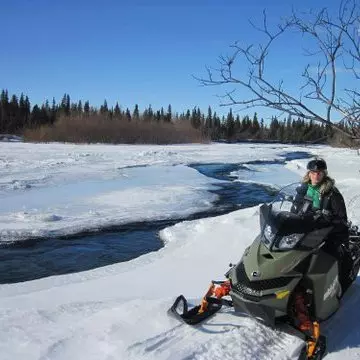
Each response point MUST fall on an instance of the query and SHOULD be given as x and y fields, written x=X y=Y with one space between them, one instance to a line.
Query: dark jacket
x=332 y=212
x=332 y=207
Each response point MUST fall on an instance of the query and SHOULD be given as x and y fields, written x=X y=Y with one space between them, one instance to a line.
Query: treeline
x=60 y=121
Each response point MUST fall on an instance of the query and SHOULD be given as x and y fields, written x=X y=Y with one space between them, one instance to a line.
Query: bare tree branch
x=337 y=43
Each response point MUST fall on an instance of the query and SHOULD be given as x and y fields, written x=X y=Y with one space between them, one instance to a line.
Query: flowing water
x=34 y=259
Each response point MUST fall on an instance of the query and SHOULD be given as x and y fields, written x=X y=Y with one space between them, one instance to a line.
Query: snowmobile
x=284 y=278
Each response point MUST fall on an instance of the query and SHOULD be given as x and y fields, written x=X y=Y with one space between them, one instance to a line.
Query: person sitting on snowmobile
x=318 y=198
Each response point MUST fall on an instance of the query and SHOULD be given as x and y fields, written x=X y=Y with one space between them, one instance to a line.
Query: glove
x=301 y=189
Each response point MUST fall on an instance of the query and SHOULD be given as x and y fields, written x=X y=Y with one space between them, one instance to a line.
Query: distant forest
x=81 y=122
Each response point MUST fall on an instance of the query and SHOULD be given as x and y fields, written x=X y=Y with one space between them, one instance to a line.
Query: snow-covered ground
x=55 y=189
x=119 y=311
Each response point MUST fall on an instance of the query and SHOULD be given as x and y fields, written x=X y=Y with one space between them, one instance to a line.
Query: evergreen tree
x=216 y=131
x=230 y=125
x=53 y=111
x=65 y=105
x=87 y=107
x=151 y=112
x=245 y=123
x=209 y=119
x=237 y=125
x=162 y=115
x=147 y=114
x=274 y=126
x=104 y=108
x=13 y=115
x=255 y=127
x=4 y=97
x=80 y=107
x=195 y=118
x=22 y=111
x=4 y=104
x=117 y=111
x=136 y=114
x=73 y=109
x=127 y=114
x=35 y=116
x=168 y=114
x=27 y=111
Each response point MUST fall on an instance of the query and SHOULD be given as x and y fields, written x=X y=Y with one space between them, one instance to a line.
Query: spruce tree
x=255 y=126
x=128 y=114
x=209 y=119
x=87 y=107
x=80 y=107
x=168 y=114
x=230 y=125
x=136 y=113
x=117 y=111
x=104 y=108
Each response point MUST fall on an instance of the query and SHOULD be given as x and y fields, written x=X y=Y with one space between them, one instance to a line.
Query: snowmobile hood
x=262 y=264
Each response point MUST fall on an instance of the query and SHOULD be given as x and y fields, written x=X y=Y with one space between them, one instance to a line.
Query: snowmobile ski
x=192 y=316
x=208 y=307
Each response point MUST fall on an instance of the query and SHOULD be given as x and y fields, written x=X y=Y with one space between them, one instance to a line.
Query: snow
x=134 y=194
x=274 y=175
x=119 y=311
x=55 y=189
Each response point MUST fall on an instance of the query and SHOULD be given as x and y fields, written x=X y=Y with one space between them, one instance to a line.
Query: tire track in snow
x=225 y=336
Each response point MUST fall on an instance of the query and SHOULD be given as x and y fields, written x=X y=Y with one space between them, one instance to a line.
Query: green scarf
x=313 y=192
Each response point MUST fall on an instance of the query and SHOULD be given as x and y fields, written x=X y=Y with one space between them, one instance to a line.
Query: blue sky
x=131 y=51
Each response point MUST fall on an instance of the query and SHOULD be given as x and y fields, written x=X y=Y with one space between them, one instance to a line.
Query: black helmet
x=317 y=165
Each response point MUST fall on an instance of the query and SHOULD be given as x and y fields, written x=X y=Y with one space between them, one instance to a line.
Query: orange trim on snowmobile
x=204 y=302
x=217 y=290
x=311 y=329
x=222 y=290
x=312 y=343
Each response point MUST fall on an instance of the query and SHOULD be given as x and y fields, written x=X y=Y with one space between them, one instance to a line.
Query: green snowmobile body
x=264 y=280
x=286 y=259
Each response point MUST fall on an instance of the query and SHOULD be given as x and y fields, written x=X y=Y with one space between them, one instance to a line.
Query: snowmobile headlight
x=268 y=237
x=289 y=241
x=268 y=233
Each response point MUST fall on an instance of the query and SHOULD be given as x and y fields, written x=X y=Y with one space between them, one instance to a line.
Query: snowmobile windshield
x=284 y=199
x=282 y=228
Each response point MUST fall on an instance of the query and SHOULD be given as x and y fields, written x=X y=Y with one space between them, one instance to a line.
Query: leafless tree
x=332 y=48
